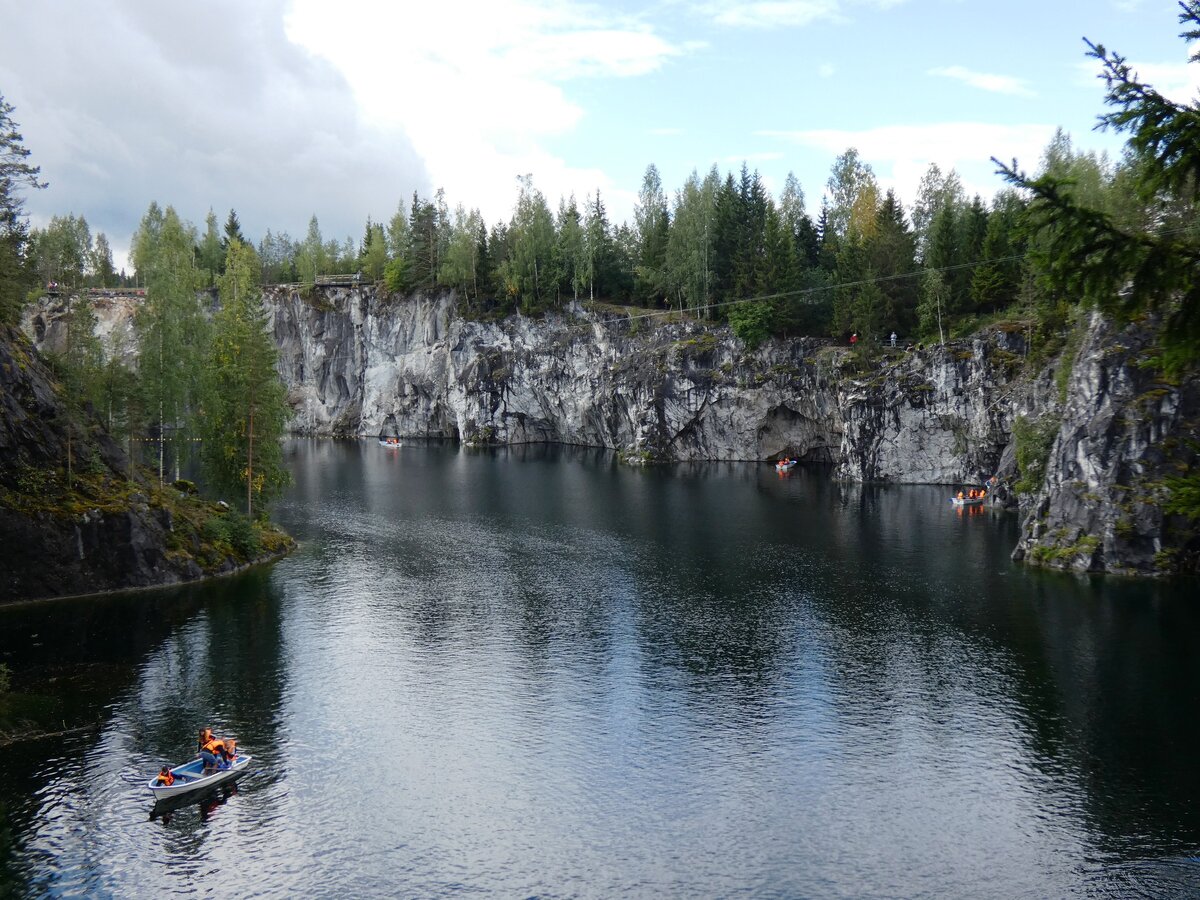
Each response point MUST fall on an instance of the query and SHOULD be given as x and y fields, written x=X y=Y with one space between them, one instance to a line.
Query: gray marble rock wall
x=360 y=363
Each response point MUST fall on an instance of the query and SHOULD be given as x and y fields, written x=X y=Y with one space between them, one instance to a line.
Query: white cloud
x=900 y=154
x=997 y=84
x=826 y=70
x=138 y=101
x=479 y=86
x=1177 y=81
x=764 y=156
x=774 y=13
x=785 y=13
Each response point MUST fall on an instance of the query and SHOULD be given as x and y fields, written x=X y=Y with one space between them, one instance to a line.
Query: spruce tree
x=1121 y=269
x=210 y=254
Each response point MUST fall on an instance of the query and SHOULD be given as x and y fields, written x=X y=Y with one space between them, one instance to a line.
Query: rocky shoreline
x=104 y=527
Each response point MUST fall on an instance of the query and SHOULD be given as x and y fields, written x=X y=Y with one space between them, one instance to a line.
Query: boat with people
x=389 y=442
x=970 y=497
x=784 y=464
x=191 y=776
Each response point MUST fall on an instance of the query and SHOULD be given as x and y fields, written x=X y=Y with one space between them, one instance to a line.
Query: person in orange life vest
x=960 y=496
x=165 y=777
x=210 y=747
x=228 y=755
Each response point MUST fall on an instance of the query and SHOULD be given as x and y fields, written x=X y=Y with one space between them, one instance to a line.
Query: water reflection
x=535 y=671
x=206 y=804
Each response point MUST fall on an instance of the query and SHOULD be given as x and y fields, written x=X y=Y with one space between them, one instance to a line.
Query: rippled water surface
x=537 y=673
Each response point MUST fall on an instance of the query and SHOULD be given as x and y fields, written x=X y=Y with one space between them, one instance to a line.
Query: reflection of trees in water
x=173 y=660
x=733 y=584
x=1096 y=673
x=1109 y=680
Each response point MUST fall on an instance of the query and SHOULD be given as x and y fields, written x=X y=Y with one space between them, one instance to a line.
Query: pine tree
x=16 y=173
x=726 y=239
x=233 y=232
x=421 y=260
x=995 y=280
x=891 y=255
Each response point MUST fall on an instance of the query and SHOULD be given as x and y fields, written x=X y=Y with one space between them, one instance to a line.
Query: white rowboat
x=190 y=777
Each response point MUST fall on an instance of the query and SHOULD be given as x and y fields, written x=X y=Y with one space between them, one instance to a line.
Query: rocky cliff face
x=1126 y=429
x=100 y=527
x=360 y=363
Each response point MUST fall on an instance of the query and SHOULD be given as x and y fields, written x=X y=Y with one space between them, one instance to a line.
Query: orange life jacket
x=167 y=779
x=214 y=745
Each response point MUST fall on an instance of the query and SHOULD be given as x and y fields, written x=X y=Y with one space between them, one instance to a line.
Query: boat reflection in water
x=206 y=801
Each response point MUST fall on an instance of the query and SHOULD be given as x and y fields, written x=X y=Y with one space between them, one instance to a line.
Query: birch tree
x=244 y=409
x=171 y=326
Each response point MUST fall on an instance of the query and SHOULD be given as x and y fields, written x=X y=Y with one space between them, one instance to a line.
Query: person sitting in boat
x=960 y=495
x=165 y=778
x=210 y=750
x=228 y=755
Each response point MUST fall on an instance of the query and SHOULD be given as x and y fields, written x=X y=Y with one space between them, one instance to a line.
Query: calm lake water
x=535 y=672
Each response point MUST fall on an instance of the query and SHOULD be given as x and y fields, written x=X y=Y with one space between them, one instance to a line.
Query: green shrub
x=751 y=322
x=243 y=535
x=236 y=530
x=1185 y=496
x=1034 y=440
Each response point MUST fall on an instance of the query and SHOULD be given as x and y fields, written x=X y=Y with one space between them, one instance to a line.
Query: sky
x=284 y=109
